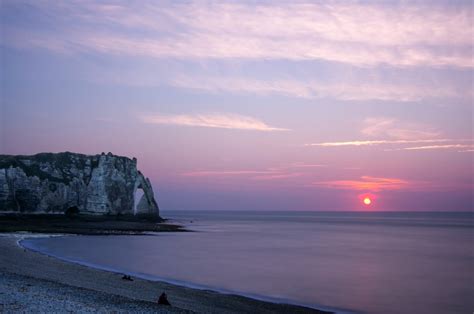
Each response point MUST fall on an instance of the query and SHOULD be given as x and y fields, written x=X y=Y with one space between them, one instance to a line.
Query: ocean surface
x=351 y=261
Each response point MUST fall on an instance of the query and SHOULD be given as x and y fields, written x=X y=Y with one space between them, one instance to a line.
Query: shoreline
x=19 y=261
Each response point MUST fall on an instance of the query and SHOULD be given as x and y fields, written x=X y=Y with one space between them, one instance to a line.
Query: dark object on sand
x=127 y=277
x=72 y=212
x=163 y=299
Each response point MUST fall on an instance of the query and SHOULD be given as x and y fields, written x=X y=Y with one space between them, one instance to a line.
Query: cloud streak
x=305 y=165
x=278 y=176
x=384 y=142
x=314 y=89
x=380 y=184
x=432 y=147
x=400 y=130
x=213 y=120
x=367 y=183
x=224 y=173
x=401 y=135
x=452 y=144
x=254 y=175
x=297 y=169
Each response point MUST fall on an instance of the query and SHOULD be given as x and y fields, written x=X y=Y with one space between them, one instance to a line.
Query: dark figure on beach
x=163 y=299
x=126 y=277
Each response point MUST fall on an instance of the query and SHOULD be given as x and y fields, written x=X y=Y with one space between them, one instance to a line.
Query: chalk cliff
x=52 y=183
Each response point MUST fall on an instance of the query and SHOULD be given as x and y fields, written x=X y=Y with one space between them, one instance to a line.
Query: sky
x=251 y=105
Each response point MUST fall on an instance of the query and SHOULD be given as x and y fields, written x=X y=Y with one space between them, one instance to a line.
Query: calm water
x=363 y=262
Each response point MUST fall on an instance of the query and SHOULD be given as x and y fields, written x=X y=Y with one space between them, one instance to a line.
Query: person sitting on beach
x=163 y=299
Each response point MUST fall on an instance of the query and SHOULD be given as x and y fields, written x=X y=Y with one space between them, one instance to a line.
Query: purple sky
x=258 y=105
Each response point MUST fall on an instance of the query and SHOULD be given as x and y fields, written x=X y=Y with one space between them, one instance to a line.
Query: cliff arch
x=102 y=184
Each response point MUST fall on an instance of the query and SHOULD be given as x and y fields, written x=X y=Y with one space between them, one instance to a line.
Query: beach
x=33 y=282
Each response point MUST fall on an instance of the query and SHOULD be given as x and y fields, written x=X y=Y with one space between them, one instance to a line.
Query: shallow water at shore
x=367 y=262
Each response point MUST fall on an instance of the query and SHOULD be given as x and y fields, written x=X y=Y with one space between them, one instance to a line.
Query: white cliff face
x=52 y=183
x=97 y=198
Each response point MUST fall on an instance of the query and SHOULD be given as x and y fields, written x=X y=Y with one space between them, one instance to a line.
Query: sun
x=367 y=201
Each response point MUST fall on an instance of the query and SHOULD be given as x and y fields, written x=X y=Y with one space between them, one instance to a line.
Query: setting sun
x=367 y=201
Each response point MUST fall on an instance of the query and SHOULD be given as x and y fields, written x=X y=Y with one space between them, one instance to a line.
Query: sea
x=348 y=262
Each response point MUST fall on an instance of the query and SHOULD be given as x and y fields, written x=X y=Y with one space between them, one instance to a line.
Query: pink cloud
x=305 y=165
x=452 y=144
x=431 y=147
x=272 y=173
x=213 y=120
x=277 y=176
x=385 y=142
x=379 y=184
x=211 y=173
x=395 y=129
x=367 y=183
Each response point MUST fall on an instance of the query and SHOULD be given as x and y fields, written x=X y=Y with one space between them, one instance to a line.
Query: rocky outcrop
x=52 y=183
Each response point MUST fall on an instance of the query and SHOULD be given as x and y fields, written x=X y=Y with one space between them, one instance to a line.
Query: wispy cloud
x=215 y=120
x=395 y=129
x=353 y=33
x=398 y=135
x=305 y=165
x=379 y=184
x=313 y=88
x=218 y=173
x=368 y=183
x=384 y=142
x=430 y=147
x=257 y=175
x=277 y=176
x=281 y=172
